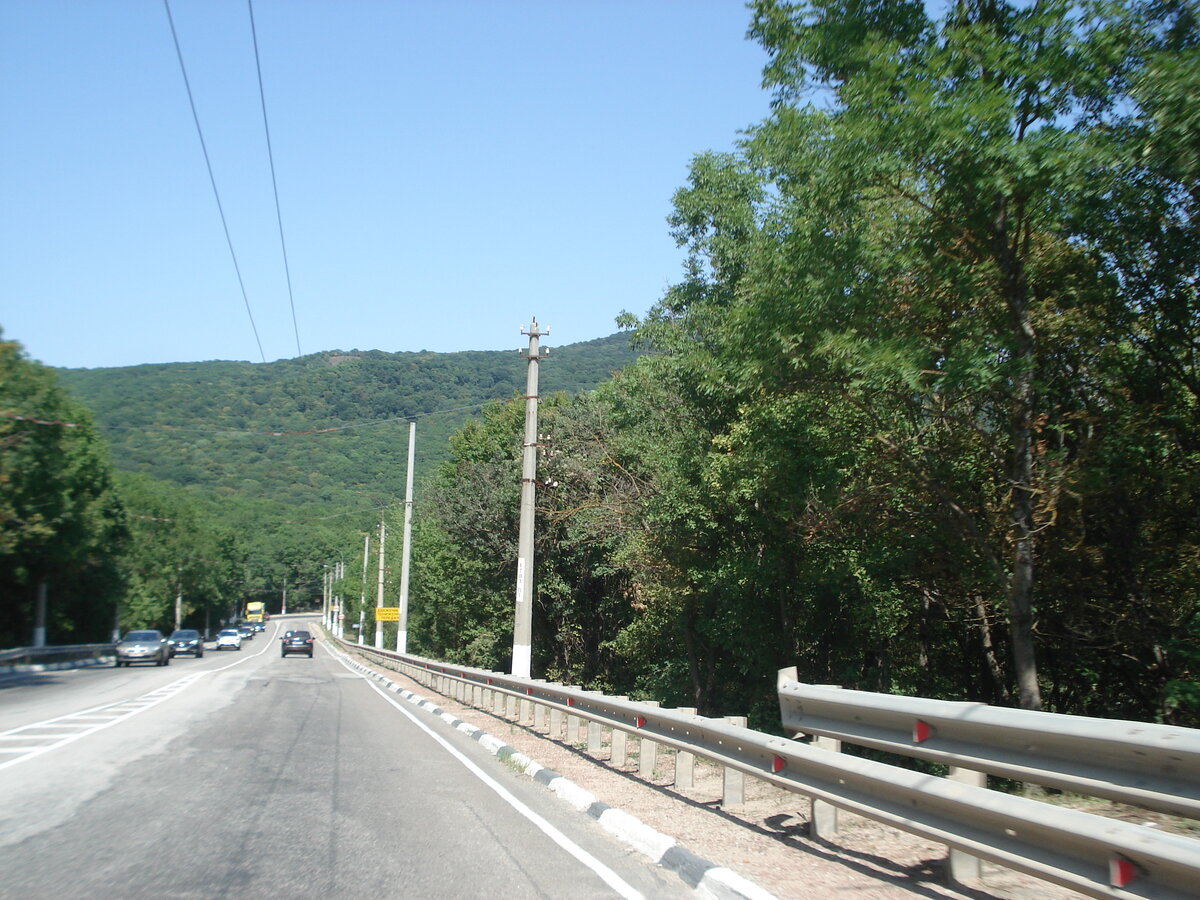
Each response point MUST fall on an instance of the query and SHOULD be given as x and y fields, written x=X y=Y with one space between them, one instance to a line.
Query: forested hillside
x=322 y=429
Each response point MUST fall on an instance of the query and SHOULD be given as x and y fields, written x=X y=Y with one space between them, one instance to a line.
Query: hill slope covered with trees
x=325 y=429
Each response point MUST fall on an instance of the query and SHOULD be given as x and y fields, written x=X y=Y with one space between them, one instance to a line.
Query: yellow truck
x=256 y=612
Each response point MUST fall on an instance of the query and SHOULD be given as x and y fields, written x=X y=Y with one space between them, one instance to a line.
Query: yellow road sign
x=387 y=614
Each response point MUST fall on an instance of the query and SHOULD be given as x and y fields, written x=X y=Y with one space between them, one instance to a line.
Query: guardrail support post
x=648 y=751
x=572 y=735
x=963 y=866
x=733 y=792
x=685 y=761
x=823 y=817
x=572 y=728
x=619 y=755
x=595 y=738
x=556 y=723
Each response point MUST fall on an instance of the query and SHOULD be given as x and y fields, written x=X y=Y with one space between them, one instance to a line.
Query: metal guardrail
x=1097 y=856
x=23 y=656
x=1151 y=766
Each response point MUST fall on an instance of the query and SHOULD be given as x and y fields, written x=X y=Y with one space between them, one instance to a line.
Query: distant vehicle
x=229 y=639
x=256 y=612
x=246 y=630
x=259 y=627
x=143 y=646
x=186 y=640
x=296 y=642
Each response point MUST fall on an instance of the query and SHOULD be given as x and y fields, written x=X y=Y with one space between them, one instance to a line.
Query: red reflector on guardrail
x=777 y=764
x=921 y=731
x=1121 y=871
x=570 y=701
x=529 y=691
x=639 y=721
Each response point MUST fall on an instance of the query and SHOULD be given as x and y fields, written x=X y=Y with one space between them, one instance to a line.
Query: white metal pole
x=402 y=625
x=39 y=616
x=379 y=598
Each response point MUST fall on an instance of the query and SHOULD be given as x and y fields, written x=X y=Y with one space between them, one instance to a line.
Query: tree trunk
x=1021 y=473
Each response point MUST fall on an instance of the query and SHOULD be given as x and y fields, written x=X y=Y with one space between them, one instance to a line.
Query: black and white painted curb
x=708 y=879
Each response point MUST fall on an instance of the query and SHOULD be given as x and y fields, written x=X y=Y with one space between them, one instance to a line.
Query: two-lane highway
x=244 y=774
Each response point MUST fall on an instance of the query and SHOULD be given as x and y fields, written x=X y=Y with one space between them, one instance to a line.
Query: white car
x=229 y=639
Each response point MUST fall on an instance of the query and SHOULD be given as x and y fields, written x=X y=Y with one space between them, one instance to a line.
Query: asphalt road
x=248 y=775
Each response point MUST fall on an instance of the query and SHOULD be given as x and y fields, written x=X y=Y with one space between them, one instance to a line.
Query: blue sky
x=446 y=170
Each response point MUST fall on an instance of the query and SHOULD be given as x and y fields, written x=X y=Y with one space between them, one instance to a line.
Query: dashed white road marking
x=37 y=738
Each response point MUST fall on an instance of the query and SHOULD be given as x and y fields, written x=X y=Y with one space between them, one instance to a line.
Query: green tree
x=60 y=522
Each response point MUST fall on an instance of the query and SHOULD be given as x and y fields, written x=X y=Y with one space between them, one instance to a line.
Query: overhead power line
x=212 y=178
x=274 y=184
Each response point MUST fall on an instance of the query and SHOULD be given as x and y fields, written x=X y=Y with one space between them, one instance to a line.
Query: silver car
x=229 y=639
x=143 y=646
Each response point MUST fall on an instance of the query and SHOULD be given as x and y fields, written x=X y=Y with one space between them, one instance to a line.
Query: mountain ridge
x=324 y=428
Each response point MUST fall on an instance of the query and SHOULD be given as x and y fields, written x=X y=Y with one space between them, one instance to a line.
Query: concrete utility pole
x=39 y=616
x=379 y=598
x=325 y=595
x=339 y=617
x=402 y=625
x=179 y=598
x=362 y=599
x=523 y=620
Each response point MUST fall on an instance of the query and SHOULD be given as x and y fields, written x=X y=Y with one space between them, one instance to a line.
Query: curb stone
x=707 y=878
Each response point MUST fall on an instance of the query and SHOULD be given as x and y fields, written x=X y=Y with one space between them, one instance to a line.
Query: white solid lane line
x=607 y=875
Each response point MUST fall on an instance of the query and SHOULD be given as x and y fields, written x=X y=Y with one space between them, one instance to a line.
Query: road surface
x=248 y=775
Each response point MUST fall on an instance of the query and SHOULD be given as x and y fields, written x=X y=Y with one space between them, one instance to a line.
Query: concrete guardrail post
x=733 y=792
x=620 y=754
x=648 y=750
x=595 y=738
x=572 y=721
x=685 y=761
x=963 y=866
x=823 y=817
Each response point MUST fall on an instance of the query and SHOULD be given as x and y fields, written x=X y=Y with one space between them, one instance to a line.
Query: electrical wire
x=274 y=184
x=212 y=178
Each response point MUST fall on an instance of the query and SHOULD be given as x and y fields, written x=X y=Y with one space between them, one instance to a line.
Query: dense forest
x=328 y=428
x=921 y=414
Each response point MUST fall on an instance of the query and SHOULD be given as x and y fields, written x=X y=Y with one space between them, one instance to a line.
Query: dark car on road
x=186 y=640
x=143 y=646
x=297 y=642
x=246 y=630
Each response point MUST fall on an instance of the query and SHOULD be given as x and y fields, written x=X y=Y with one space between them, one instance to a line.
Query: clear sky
x=446 y=170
